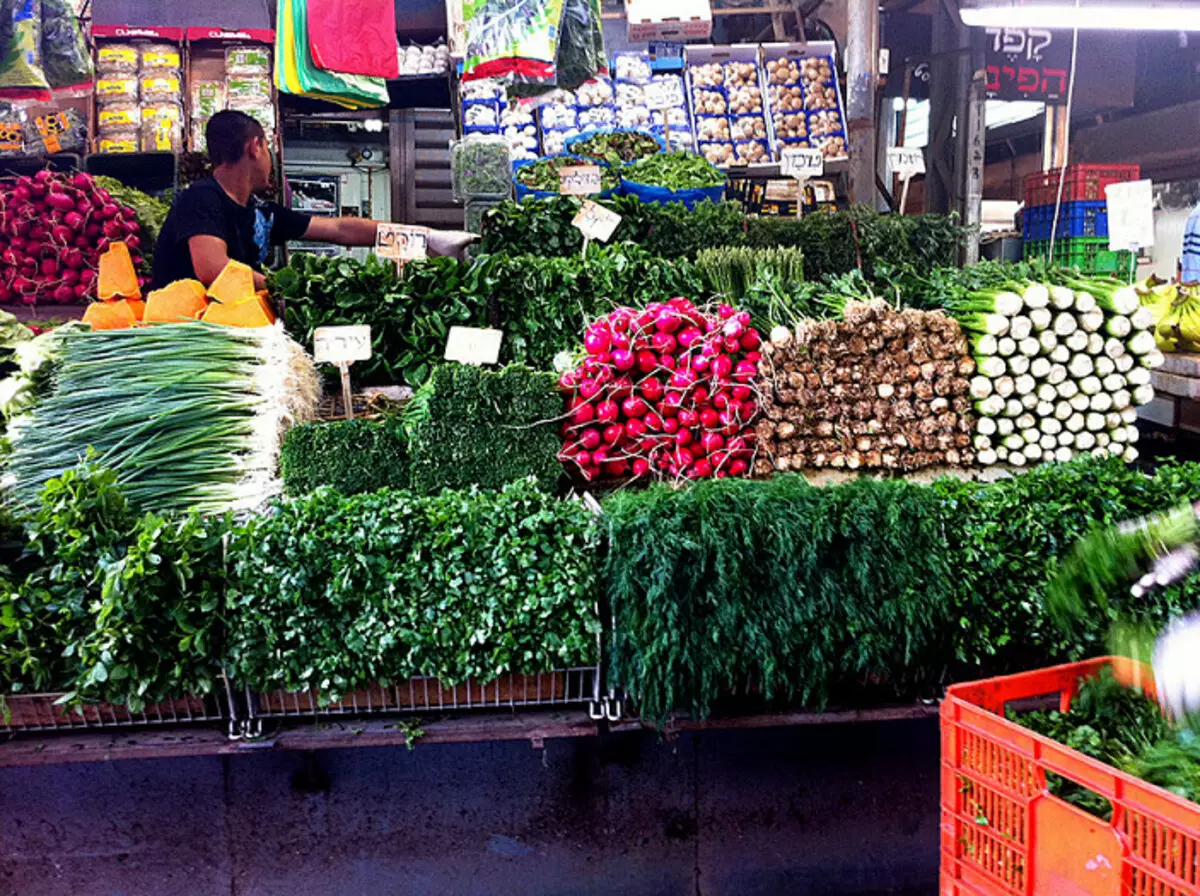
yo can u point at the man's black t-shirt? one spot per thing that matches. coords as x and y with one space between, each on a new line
205 209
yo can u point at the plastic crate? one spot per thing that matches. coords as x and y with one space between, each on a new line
1091 256
1004 834
1082 183
1075 219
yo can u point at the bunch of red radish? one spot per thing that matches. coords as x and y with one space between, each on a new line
664 393
53 228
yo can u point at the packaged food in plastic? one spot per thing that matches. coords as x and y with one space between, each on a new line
516 114
481 166
820 96
208 98
248 59
579 54
197 140
263 113
161 87
559 115
710 128
597 116
596 92
633 67
709 102
12 132
751 152
710 74
476 209
749 127
62 131
23 76
116 89
162 112
676 115
162 135
628 94
719 154
481 113
66 56
247 89
118 117
120 141
116 59
514 41
159 56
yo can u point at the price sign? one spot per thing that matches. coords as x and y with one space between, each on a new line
906 161
802 163
473 345
579 180
1130 215
401 242
596 222
664 94
342 345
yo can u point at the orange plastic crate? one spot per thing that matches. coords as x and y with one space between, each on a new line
1004 834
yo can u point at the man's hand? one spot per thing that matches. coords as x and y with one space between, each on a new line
452 243
1177 667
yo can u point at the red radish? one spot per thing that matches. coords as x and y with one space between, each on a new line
634 407
49 268
82 290
623 359
61 233
646 361
87 277
60 201
607 411
614 433
666 361
590 438
64 294
70 276
108 210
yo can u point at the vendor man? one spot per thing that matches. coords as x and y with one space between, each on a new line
220 217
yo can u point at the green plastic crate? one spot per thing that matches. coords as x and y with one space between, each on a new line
1091 256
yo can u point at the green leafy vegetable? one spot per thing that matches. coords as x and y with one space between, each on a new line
674 171
349 456
617 147
543 174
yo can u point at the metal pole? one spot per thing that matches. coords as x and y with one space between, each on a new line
862 80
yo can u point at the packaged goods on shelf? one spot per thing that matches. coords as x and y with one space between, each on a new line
726 87
61 131
208 98
117 88
253 59
427 60
117 59
159 56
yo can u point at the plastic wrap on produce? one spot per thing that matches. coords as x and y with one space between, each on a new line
116 59
250 59
511 40
61 131
208 98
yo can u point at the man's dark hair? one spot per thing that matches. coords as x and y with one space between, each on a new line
226 134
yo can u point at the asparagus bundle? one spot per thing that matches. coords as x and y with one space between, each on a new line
1062 369
881 389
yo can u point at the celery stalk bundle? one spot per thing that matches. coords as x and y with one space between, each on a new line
1061 369
189 415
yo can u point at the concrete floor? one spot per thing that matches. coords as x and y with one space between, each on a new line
840 809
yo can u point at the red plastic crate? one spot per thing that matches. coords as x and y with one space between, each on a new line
1004 834
1083 183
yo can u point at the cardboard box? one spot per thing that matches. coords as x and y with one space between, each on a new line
668 19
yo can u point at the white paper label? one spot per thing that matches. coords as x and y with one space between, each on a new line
401 242
596 222
802 163
906 161
473 345
342 345
1130 215
579 180
664 94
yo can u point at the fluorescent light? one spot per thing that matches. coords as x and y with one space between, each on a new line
1177 16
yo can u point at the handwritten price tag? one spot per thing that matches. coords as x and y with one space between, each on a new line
473 345
906 161
401 242
579 180
342 345
802 163
1130 215
664 94
596 222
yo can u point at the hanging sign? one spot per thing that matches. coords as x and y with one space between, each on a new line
802 163
1130 215
401 242
1028 64
664 94
596 222
906 161
579 180
474 345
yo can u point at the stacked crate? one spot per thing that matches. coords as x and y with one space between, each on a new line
1082 235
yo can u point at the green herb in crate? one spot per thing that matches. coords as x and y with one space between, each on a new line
674 171
543 175
618 147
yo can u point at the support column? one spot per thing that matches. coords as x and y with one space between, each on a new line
862 82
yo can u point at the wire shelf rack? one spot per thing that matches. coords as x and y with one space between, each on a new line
558 688
42 712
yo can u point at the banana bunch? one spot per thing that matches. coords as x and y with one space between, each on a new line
1176 309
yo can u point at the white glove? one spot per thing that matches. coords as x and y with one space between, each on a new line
1177 666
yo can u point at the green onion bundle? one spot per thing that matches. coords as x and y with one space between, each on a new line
189 415
1061 369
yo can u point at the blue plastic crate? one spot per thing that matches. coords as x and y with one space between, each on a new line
1076 220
